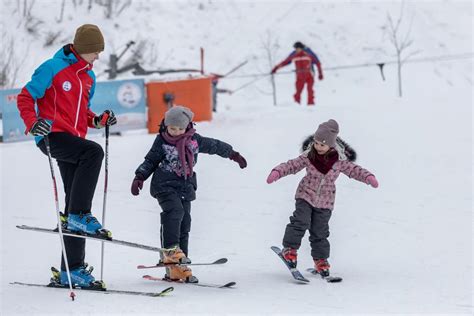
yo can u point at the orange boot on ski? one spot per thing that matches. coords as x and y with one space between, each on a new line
177 272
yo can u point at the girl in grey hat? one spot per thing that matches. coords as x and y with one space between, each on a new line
171 160
316 193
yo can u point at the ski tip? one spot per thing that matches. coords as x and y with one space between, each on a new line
220 261
303 280
311 270
275 248
333 279
150 278
299 277
140 266
228 285
166 291
330 279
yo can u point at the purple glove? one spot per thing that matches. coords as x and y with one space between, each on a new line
273 176
137 184
235 156
372 181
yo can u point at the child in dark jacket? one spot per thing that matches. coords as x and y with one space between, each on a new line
316 193
171 160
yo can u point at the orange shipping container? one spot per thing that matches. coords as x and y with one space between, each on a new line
194 93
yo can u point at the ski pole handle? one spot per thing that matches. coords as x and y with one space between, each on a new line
104 119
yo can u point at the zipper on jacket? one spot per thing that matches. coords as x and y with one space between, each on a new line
320 185
80 97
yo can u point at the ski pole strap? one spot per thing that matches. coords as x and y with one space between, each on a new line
104 119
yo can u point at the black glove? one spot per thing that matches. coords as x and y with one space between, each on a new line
40 128
106 118
235 156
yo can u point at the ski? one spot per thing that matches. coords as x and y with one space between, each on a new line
55 285
330 279
219 286
162 265
92 237
294 272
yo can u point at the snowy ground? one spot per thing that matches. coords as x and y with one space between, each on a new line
403 248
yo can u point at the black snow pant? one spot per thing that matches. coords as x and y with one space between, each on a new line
79 162
175 221
316 220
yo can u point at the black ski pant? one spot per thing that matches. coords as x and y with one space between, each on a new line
175 221
316 220
79 162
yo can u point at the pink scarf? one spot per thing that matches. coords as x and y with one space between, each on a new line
185 154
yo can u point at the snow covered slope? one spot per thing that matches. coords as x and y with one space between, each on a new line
405 247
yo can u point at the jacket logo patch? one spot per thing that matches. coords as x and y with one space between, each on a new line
67 86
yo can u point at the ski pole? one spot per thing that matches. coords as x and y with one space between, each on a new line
105 197
60 229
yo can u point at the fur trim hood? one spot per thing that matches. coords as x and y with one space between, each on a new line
346 152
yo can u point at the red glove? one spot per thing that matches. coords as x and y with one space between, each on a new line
137 184
273 176
320 71
372 181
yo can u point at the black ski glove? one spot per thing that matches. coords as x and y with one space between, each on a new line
40 128
106 118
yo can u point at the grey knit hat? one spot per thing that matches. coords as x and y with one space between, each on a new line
178 116
327 133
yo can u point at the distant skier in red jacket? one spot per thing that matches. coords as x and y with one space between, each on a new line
304 59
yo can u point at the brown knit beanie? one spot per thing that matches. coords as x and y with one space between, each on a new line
88 39
327 133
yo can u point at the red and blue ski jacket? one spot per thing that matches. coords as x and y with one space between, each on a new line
61 88
303 60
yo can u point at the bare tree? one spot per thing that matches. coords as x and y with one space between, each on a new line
61 13
113 8
30 22
270 46
151 55
51 37
401 41
27 7
77 2
10 64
